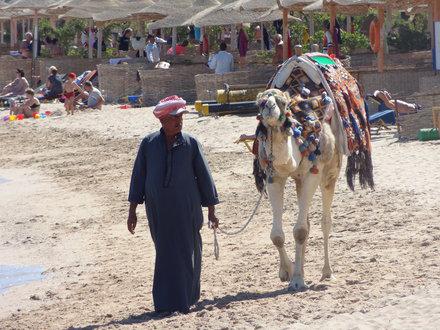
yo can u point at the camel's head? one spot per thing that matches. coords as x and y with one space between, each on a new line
273 105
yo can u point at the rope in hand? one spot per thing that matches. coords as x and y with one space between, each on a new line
216 245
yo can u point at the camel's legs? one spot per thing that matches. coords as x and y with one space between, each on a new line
328 185
276 196
301 229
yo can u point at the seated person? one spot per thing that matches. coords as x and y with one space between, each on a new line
54 85
16 87
180 49
384 97
26 45
29 107
92 96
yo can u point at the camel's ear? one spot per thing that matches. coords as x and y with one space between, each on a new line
282 101
259 97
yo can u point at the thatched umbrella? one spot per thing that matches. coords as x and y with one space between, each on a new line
164 7
226 14
184 16
344 6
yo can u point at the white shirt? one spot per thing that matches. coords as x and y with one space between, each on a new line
222 62
153 53
94 97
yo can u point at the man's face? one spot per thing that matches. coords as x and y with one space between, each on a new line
88 88
172 125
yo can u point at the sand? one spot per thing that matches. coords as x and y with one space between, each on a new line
65 209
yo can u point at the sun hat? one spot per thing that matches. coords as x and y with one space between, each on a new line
170 106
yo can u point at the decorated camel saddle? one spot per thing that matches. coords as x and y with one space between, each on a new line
318 90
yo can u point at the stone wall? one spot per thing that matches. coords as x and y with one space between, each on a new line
66 65
116 81
411 124
401 82
208 84
179 79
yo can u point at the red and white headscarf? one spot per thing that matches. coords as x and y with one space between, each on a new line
170 106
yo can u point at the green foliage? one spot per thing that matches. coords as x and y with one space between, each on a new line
352 41
410 35
77 52
65 33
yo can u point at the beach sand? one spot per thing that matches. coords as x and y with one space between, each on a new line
64 207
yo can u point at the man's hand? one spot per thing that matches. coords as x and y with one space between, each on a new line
213 220
131 222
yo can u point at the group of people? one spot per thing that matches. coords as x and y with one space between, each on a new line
150 47
23 100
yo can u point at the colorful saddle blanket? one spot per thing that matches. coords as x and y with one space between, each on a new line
316 74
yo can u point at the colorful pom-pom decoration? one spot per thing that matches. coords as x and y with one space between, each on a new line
12 117
20 116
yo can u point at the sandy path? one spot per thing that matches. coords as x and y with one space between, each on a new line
75 172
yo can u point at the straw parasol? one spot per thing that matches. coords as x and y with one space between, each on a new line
344 6
164 7
227 14
184 16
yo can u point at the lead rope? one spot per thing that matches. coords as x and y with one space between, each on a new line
269 173
233 233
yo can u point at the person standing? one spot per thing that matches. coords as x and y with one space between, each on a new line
222 62
152 51
172 177
124 40
243 43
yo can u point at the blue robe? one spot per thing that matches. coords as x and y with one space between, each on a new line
174 184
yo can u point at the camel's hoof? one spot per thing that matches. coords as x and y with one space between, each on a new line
297 284
328 277
286 274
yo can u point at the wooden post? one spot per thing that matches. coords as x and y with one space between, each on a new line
53 22
311 25
431 25
2 32
233 37
29 26
99 54
349 24
91 41
332 18
11 29
285 34
174 39
36 38
23 28
262 36
381 53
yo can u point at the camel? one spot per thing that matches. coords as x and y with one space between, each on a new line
280 156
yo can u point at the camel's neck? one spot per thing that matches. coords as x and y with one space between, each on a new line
284 149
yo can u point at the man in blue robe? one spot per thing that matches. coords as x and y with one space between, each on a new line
172 177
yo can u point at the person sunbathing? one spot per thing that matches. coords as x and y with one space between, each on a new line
30 106
15 88
400 106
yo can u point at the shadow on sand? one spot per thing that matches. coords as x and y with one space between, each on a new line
219 303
